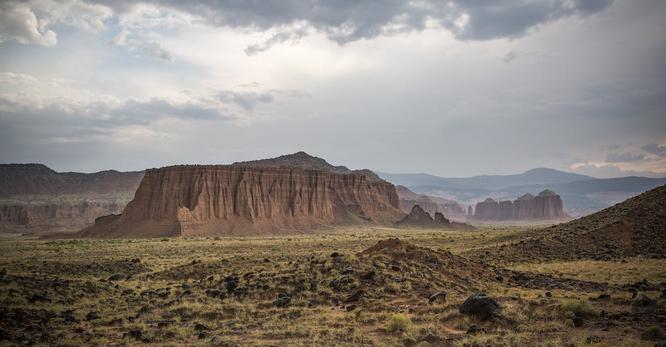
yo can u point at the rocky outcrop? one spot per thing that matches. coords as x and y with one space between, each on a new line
545 206
419 218
487 210
430 204
240 199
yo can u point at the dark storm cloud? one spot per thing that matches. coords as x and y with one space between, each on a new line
655 149
344 21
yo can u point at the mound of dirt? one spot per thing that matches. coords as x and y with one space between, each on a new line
634 227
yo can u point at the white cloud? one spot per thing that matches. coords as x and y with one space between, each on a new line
141 46
18 22
31 22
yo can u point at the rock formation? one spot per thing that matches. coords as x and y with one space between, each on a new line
13 215
545 206
430 204
419 218
243 199
487 210
37 199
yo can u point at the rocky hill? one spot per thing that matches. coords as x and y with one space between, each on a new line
37 199
295 160
635 227
418 218
430 204
545 206
241 199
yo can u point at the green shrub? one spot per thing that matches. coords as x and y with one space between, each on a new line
578 308
399 323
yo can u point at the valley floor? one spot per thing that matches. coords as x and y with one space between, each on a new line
233 291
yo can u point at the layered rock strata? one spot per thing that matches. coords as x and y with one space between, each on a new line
239 200
545 206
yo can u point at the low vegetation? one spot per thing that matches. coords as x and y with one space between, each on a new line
339 287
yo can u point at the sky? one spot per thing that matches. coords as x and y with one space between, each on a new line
452 88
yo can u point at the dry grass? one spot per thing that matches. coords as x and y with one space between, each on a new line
169 304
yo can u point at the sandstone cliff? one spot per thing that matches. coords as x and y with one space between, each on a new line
545 206
241 199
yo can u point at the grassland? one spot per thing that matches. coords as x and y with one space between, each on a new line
225 291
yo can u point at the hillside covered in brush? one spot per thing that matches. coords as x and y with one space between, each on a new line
634 227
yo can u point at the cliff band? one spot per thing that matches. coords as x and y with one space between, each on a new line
239 200
545 206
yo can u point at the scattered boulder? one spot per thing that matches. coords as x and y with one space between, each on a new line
480 305
282 300
439 296
116 277
643 301
475 329
200 327
231 283
355 296
604 297
92 315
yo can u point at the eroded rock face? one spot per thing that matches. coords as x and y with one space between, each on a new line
14 215
419 218
430 204
487 210
239 199
545 206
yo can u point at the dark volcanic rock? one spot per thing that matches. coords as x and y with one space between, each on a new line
282 300
480 305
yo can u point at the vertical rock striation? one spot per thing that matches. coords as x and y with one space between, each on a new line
240 199
545 206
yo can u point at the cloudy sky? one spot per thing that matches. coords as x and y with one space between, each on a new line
452 88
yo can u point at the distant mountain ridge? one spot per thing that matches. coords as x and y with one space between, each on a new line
39 179
581 194
489 182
